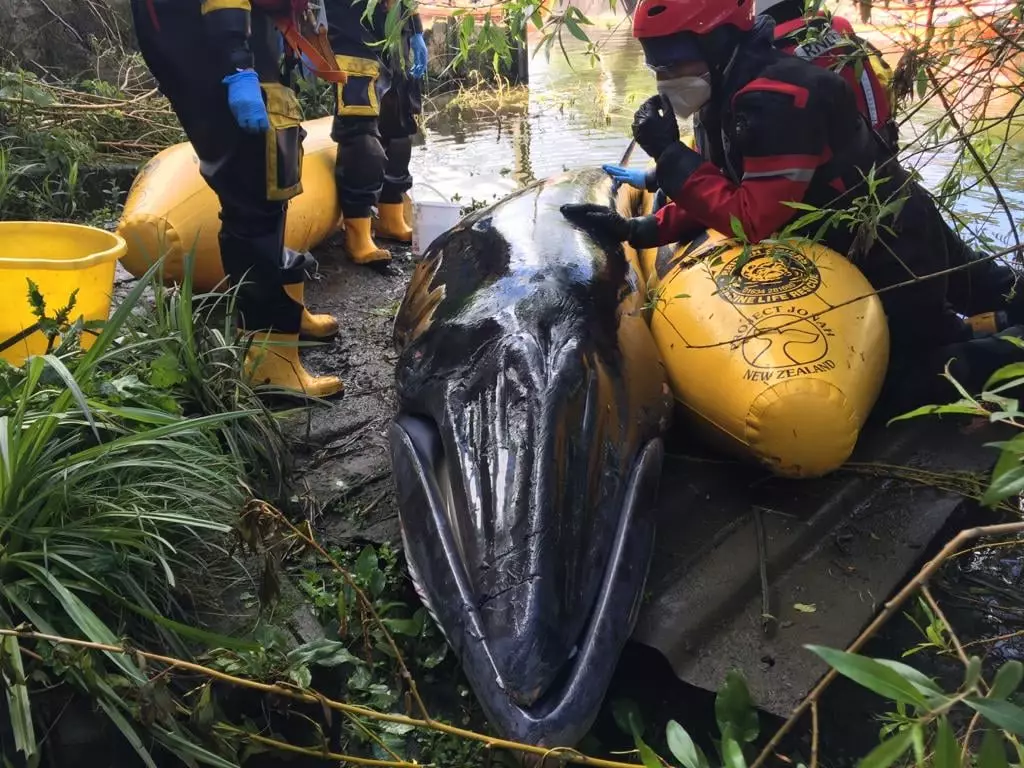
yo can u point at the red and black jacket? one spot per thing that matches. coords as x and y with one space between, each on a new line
830 42
783 130
786 131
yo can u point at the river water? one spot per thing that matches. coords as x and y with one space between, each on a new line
576 113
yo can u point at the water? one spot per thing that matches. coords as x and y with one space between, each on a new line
579 114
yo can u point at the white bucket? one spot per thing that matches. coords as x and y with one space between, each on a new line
432 219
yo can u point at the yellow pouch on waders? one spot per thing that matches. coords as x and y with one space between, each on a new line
284 142
357 97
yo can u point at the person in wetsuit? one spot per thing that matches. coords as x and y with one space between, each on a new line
825 40
216 62
772 128
374 124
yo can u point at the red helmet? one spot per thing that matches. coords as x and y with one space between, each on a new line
659 18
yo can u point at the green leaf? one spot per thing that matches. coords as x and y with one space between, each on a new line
18 704
947 750
1007 680
732 755
1007 460
324 653
734 708
993 751
682 747
933 410
187 750
76 391
972 674
648 756
127 731
805 607
627 717
1015 445
872 675
88 622
341 606
737 228
165 371
301 676
918 679
397 729
1001 714
922 82
1011 371
204 713
917 739
366 564
408 627
575 30
1007 484
888 752
436 657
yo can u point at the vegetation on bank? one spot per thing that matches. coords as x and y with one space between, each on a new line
147 519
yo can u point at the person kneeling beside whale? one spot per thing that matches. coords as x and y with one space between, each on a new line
772 128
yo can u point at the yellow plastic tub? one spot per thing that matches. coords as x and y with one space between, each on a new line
58 258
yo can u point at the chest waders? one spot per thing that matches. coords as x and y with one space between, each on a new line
190 46
375 120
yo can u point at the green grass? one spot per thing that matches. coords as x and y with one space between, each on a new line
123 470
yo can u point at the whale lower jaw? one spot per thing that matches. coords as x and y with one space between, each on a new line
560 715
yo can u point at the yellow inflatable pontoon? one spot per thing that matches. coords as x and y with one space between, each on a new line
779 352
171 209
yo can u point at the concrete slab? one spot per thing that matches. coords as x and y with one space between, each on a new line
838 546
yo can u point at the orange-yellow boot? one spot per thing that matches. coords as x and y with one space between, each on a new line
360 245
391 222
313 326
273 359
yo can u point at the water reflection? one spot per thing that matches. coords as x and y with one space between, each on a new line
575 114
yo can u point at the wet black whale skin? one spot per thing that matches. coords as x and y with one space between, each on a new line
527 451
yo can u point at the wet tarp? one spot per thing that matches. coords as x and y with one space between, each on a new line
834 550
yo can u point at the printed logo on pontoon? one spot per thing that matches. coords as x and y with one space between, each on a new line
771 274
784 342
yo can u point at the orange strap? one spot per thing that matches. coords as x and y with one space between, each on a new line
300 35
318 51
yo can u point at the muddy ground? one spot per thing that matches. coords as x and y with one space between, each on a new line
342 450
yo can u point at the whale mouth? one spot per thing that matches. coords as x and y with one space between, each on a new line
540 648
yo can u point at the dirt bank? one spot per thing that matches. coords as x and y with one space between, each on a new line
342 451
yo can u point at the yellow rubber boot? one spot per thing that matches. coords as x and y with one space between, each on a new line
391 222
360 245
313 326
273 359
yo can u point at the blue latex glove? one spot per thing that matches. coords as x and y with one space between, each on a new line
419 56
245 99
622 175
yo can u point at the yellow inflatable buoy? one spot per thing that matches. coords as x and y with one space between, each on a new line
780 352
170 209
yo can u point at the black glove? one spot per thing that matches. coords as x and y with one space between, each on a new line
599 219
654 126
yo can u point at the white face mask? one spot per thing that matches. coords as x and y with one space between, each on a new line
686 94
